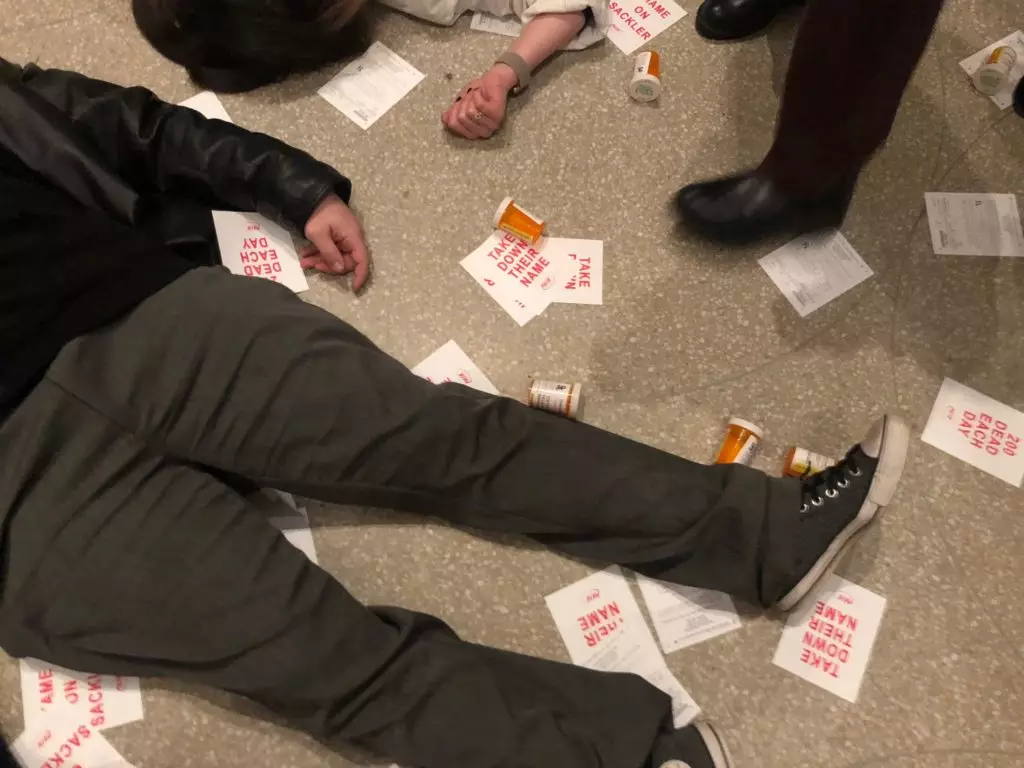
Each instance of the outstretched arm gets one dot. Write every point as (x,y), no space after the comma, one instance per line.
(479,109)
(159,147)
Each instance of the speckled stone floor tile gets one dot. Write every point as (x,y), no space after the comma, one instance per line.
(689,334)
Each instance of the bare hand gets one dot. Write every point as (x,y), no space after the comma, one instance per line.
(337,245)
(479,110)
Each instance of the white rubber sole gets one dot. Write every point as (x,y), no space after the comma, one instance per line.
(892,458)
(720,757)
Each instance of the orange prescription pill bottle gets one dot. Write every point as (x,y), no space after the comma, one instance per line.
(799,462)
(740,443)
(995,70)
(646,82)
(519,222)
(556,397)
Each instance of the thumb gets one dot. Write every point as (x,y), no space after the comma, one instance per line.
(328,249)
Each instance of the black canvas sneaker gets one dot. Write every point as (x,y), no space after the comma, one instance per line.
(696,746)
(839,503)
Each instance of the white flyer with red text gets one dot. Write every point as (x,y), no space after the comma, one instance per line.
(829,641)
(64,739)
(254,246)
(100,701)
(603,629)
(635,24)
(517,275)
(979,430)
(450,363)
(584,282)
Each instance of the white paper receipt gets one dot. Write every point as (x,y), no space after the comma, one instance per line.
(208,105)
(509,26)
(371,85)
(634,24)
(979,430)
(1003,98)
(974,225)
(450,363)
(685,616)
(812,270)
(255,246)
(100,701)
(602,628)
(828,642)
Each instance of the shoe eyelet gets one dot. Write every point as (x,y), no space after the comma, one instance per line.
(804,508)
(844,483)
(855,472)
(831,493)
(817,501)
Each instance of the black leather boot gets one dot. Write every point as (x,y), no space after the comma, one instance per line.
(750,206)
(1018,98)
(735,19)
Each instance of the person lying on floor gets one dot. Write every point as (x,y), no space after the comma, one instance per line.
(240,45)
(141,386)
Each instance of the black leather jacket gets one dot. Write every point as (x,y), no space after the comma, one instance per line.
(156,166)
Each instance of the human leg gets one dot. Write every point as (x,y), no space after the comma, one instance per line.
(118,560)
(242,376)
(850,66)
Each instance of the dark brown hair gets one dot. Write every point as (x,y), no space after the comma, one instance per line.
(239,45)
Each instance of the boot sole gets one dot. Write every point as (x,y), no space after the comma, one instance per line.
(720,757)
(892,458)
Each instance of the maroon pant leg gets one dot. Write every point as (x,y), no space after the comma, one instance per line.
(851,64)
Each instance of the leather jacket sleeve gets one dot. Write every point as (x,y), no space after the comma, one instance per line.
(166,149)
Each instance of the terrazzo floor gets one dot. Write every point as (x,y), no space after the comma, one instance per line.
(688,335)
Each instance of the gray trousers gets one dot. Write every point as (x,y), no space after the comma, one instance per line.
(123,551)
